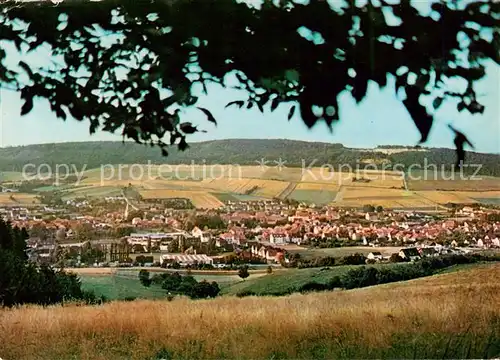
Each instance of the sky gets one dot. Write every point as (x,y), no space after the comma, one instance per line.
(380,119)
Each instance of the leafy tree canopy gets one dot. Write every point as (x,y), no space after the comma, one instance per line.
(135,65)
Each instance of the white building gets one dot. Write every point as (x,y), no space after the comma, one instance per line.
(184,260)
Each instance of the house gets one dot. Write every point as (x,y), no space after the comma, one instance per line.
(411,254)
(428,251)
(204,236)
(375,255)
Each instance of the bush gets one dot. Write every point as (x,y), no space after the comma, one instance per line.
(144,278)
(354,259)
(244,293)
(334,283)
(312,286)
(395,258)
(243,272)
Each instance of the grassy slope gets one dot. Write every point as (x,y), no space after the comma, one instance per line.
(120,287)
(444,316)
(283,281)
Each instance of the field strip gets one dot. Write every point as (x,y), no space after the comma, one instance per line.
(289,189)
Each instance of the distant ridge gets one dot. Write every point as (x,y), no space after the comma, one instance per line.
(233,151)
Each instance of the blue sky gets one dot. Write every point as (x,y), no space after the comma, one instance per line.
(379,120)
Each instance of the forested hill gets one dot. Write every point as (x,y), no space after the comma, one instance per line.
(234,151)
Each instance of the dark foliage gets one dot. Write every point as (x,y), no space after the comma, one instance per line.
(177,284)
(368,276)
(314,52)
(243,272)
(22,282)
(354,259)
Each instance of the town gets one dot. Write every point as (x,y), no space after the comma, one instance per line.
(113,232)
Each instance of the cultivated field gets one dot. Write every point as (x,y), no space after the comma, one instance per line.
(18,198)
(453,315)
(453,183)
(199,199)
(245,183)
(387,198)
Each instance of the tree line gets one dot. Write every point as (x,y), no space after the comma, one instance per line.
(23,282)
(87,155)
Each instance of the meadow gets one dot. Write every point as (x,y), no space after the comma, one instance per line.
(339,252)
(124,283)
(452,315)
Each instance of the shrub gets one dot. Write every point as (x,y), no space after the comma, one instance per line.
(243,272)
(395,258)
(244,293)
(312,286)
(144,278)
(354,259)
(334,283)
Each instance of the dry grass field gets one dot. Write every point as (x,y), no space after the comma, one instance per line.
(453,315)
(18,198)
(258,187)
(317,185)
(200,199)
(388,198)
(483,183)
(384,179)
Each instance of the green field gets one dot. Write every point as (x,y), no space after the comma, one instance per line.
(343,251)
(236,197)
(319,197)
(283,281)
(120,287)
(126,284)
(488,201)
(225,196)
(11,176)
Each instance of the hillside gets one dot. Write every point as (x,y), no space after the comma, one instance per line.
(436,317)
(233,151)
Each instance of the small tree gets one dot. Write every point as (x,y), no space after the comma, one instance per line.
(395,258)
(144,278)
(269,269)
(243,272)
(368,208)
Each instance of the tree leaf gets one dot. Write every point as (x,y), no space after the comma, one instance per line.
(183,145)
(291,112)
(209,115)
(187,128)
(418,112)
(27,106)
(360,87)
(274,104)
(238,103)
(26,68)
(437,102)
